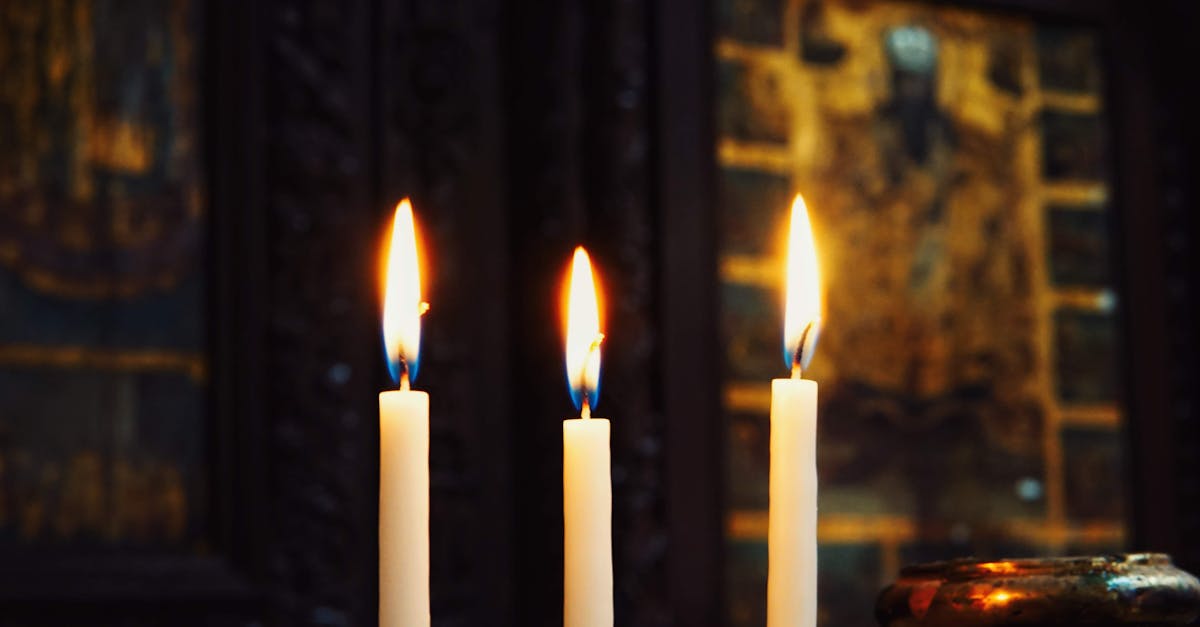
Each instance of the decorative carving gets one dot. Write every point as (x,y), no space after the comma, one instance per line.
(321,339)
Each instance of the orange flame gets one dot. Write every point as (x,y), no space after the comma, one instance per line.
(583,334)
(802,308)
(402,304)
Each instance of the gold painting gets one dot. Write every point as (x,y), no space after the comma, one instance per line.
(102,366)
(953,164)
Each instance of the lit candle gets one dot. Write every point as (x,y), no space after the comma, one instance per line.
(403,440)
(792,520)
(587,484)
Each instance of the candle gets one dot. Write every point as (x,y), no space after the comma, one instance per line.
(403,440)
(792,519)
(587,487)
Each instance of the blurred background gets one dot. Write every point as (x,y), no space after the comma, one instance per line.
(193,194)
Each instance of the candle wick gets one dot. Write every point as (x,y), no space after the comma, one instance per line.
(404,383)
(804,348)
(585,410)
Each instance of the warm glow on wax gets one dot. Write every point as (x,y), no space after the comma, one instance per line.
(403,440)
(402,305)
(587,472)
(792,488)
(583,334)
(802,308)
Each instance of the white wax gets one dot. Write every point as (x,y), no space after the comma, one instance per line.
(792,521)
(587,524)
(403,509)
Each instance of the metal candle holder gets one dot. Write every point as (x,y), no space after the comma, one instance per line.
(1101,591)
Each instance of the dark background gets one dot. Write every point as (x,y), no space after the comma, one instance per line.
(520,129)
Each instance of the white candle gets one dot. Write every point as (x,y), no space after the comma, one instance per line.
(587,524)
(792,520)
(403,441)
(403,509)
(587,482)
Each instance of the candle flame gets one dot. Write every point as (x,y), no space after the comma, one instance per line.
(583,334)
(802,307)
(402,304)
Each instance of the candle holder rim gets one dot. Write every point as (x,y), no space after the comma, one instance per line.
(974,568)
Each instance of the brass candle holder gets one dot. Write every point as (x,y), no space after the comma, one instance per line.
(1116,590)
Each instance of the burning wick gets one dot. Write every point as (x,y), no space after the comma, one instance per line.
(804,349)
(405,384)
(585,412)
